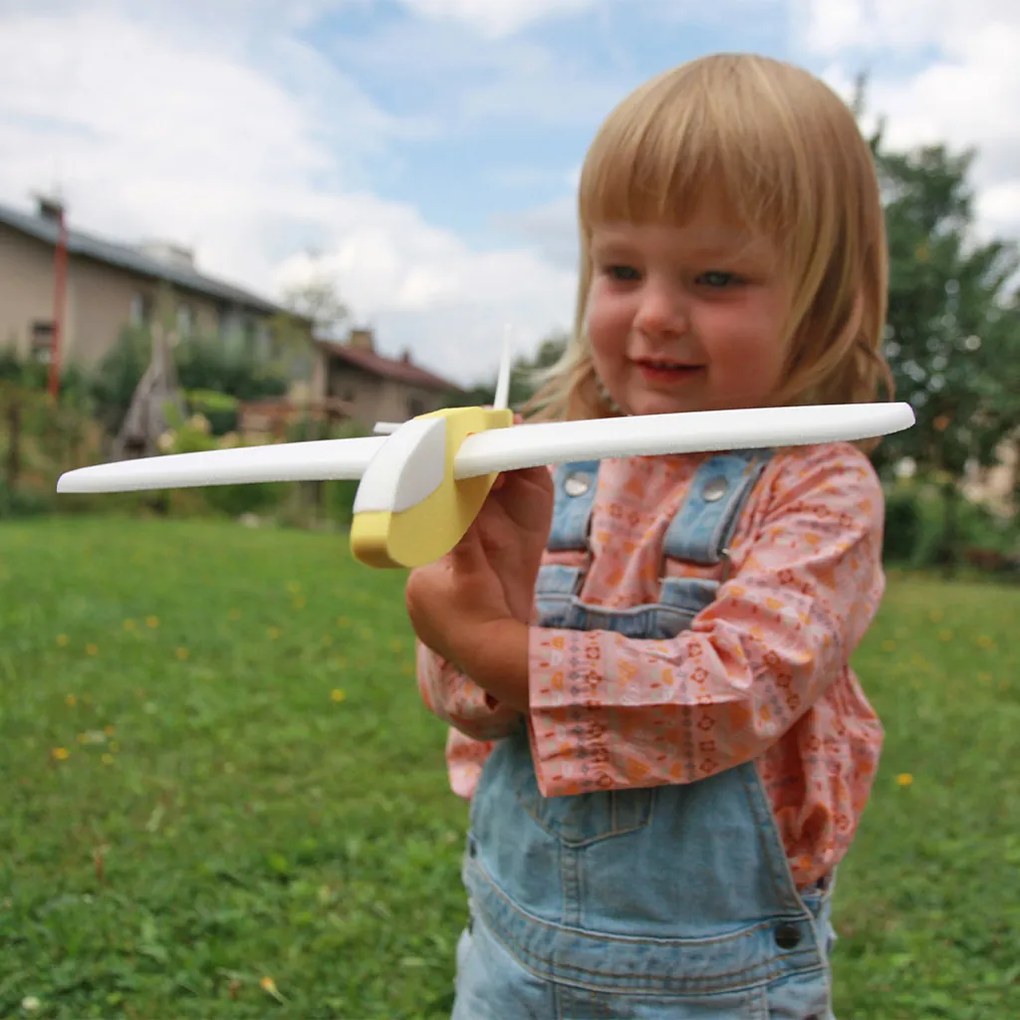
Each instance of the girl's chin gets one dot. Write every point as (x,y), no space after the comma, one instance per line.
(660,405)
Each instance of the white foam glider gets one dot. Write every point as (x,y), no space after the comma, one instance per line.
(422,485)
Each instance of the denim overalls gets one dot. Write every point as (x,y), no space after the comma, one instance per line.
(674,901)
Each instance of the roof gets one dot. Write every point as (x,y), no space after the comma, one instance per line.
(134,260)
(389,368)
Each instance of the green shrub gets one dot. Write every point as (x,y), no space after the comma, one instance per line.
(925,529)
(220,409)
(904,523)
(195,436)
(22,502)
(338,501)
(212,365)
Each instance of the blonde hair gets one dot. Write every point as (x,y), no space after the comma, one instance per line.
(784,153)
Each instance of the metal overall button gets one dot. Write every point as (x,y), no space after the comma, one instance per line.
(787,936)
(714,489)
(577,483)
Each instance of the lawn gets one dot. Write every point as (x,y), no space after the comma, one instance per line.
(223,799)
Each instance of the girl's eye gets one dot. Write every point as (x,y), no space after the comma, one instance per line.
(622,273)
(717,278)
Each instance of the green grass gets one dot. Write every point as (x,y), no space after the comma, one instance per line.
(216,771)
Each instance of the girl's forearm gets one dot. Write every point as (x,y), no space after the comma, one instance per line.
(495,656)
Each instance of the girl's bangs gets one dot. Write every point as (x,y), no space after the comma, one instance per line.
(655,160)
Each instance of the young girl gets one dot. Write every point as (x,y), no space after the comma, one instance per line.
(646,660)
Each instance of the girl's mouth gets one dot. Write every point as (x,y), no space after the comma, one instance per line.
(666,371)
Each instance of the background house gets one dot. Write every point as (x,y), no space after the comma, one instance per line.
(110,285)
(374,387)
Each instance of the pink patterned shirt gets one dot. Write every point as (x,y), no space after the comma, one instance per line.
(763,674)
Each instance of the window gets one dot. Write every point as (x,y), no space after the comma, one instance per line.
(42,342)
(185,320)
(141,309)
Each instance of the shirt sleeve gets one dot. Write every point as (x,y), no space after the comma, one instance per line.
(459,701)
(608,711)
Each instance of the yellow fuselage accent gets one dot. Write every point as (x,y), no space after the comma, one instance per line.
(432,527)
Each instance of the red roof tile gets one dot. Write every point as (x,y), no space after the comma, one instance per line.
(389,368)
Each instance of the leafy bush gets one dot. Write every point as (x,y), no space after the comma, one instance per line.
(194,436)
(117,376)
(924,529)
(220,409)
(904,523)
(22,502)
(204,364)
(30,374)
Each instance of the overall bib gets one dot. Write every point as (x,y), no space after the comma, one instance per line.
(673,901)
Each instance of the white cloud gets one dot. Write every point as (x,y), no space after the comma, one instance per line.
(156,133)
(834,27)
(495,18)
(947,74)
(411,281)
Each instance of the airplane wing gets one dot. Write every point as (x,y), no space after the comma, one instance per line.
(315,460)
(492,450)
(558,442)
(421,493)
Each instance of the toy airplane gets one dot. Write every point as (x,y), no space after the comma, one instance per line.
(423,484)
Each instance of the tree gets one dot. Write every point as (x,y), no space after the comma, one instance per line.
(313,307)
(524,374)
(952,337)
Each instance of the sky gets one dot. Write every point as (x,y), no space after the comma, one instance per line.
(423,155)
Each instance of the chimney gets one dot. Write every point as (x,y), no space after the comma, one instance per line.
(361,338)
(169,253)
(405,355)
(50,208)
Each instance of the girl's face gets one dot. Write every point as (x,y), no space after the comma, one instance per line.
(686,318)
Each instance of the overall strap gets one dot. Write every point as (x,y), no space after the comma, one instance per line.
(699,533)
(701,530)
(575,486)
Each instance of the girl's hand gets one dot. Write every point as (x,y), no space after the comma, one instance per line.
(473,605)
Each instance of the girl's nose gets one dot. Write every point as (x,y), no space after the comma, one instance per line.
(662,311)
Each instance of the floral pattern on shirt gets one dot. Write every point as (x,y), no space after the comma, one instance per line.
(763,674)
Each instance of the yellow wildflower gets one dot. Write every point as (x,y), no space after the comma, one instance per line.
(71,699)
(905,779)
(152,622)
(63,640)
(91,649)
(60,754)
(268,985)
(337,695)
(182,653)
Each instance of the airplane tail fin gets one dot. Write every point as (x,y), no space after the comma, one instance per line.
(502,398)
